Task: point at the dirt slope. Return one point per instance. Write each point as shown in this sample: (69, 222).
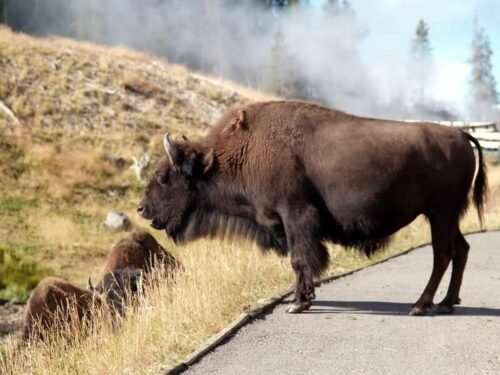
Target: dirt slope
(66, 109)
(61, 83)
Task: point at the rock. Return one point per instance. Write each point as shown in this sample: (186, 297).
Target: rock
(115, 160)
(118, 221)
(139, 165)
(11, 316)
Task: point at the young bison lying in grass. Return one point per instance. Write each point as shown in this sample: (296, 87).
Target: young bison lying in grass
(140, 250)
(116, 286)
(56, 303)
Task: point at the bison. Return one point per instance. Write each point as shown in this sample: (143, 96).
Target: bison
(53, 299)
(297, 174)
(140, 250)
(56, 302)
(117, 286)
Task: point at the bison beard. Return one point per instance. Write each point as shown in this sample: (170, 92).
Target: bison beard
(295, 174)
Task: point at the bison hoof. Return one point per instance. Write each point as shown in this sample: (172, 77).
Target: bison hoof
(444, 309)
(418, 311)
(295, 307)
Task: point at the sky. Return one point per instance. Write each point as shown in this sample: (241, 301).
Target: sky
(391, 26)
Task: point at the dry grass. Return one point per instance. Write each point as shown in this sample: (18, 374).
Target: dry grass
(77, 102)
(59, 84)
(221, 279)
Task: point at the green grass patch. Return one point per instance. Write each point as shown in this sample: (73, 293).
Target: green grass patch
(12, 158)
(19, 273)
(15, 205)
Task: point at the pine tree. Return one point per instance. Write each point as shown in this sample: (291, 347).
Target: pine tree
(285, 79)
(89, 20)
(279, 57)
(421, 53)
(2, 12)
(337, 7)
(483, 92)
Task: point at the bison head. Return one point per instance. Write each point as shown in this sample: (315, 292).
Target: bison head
(116, 287)
(171, 194)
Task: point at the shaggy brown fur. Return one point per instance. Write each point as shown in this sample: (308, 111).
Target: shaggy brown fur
(51, 302)
(294, 174)
(140, 250)
(55, 302)
(118, 287)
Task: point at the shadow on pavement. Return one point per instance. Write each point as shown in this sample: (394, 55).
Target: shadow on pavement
(388, 308)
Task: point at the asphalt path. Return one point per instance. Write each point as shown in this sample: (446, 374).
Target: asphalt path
(359, 324)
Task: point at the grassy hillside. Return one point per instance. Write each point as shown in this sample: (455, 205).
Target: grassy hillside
(65, 107)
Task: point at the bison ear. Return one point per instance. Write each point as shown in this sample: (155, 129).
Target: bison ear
(90, 286)
(171, 149)
(236, 123)
(208, 161)
(136, 276)
(195, 165)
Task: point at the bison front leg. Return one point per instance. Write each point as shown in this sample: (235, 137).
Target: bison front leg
(309, 256)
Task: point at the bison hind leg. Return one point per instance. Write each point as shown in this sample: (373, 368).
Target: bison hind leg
(444, 231)
(459, 260)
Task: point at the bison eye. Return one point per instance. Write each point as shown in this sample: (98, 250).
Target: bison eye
(162, 178)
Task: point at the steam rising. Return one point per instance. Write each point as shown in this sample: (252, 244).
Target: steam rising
(234, 39)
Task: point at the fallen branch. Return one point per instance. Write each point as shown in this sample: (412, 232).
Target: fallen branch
(9, 113)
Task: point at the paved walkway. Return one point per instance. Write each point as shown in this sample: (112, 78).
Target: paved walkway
(359, 325)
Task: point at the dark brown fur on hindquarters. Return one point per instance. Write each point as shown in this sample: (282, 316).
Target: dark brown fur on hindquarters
(297, 174)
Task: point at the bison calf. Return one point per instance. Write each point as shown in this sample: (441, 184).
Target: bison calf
(117, 286)
(140, 250)
(55, 303)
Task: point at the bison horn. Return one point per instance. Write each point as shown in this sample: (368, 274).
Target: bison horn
(89, 285)
(185, 138)
(169, 148)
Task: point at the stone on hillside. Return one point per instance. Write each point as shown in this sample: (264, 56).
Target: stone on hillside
(11, 316)
(115, 160)
(118, 221)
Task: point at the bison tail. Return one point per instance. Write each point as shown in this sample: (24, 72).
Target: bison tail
(481, 183)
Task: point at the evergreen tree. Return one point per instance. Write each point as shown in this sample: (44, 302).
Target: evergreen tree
(336, 6)
(2, 12)
(341, 35)
(89, 20)
(285, 79)
(421, 53)
(279, 57)
(483, 92)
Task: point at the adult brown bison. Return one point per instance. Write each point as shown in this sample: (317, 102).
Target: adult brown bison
(140, 250)
(298, 173)
(56, 302)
